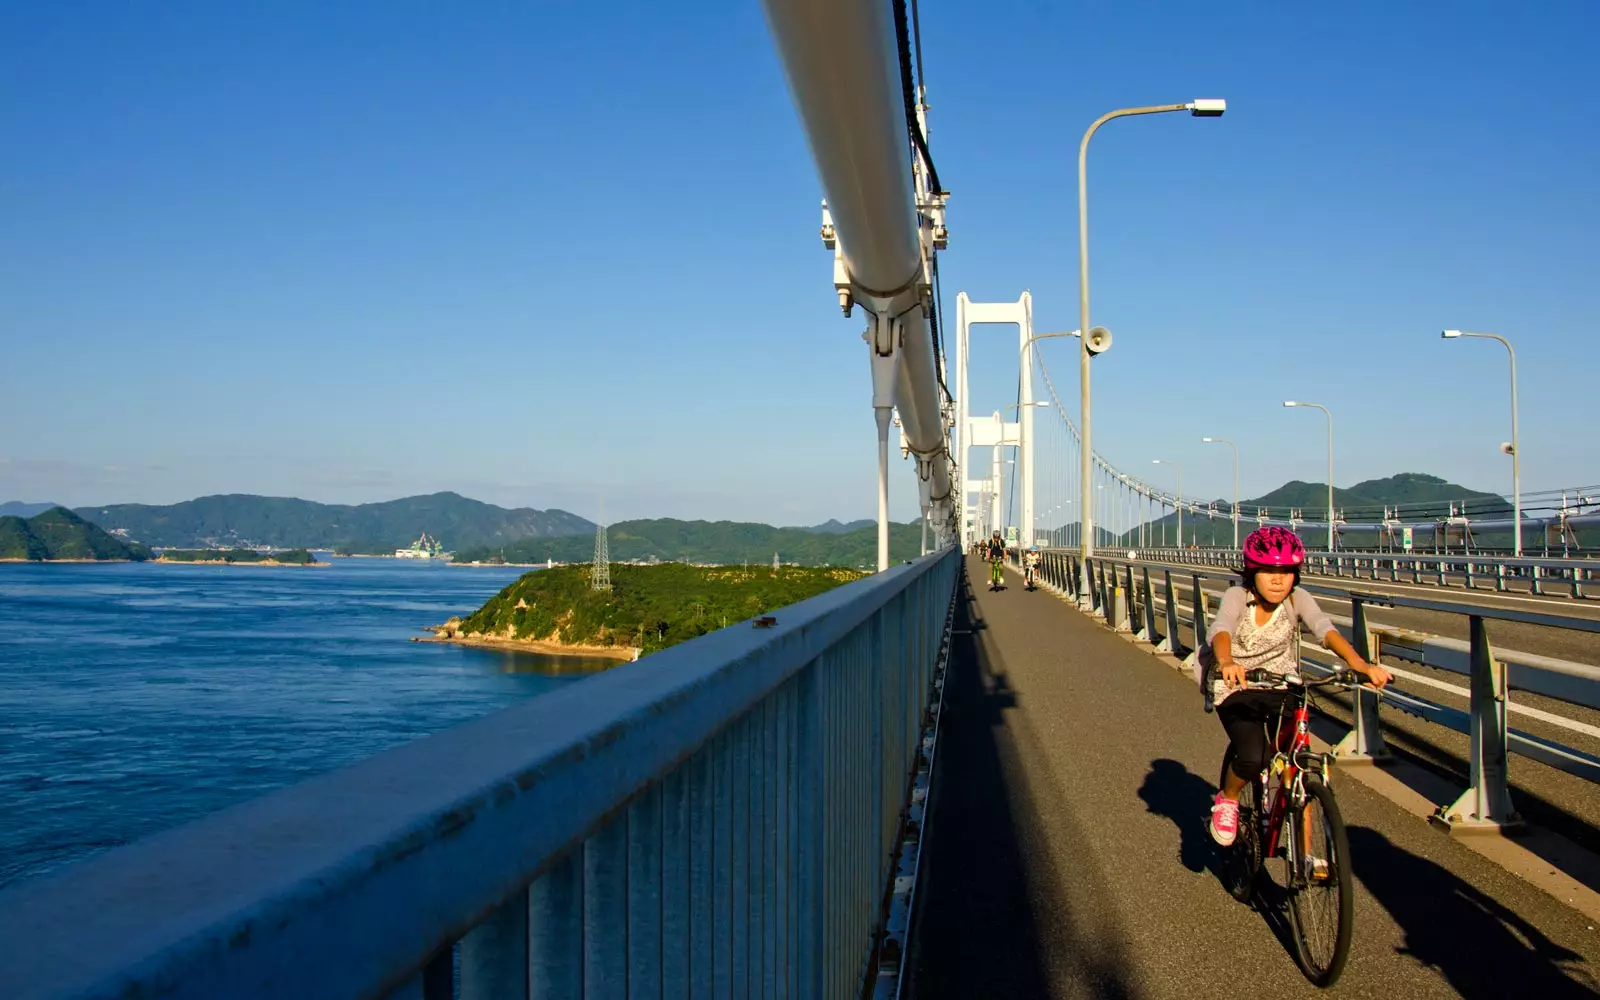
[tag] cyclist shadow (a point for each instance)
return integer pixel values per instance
(1170, 789)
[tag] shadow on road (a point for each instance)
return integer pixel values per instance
(1170, 789)
(992, 921)
(1482, 948)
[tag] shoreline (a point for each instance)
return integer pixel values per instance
(447, 635)
(227, 562)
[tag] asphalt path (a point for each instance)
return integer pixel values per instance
(1067, 853)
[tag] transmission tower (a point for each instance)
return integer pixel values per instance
(600, 575)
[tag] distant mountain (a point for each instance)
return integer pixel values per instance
(58, 533)
(833, 526)
(245, 521)
(719, 542)
(1419, 497)
(15, 508)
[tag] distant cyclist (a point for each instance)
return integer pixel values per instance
(1258, 627)
(1030, 567)
(995, 552)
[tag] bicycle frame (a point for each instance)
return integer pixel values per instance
(1294, 740)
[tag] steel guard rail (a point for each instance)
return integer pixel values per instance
(1470, 571)
(721, 816)
(1128, 603)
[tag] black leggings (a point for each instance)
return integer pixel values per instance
(1246, 715)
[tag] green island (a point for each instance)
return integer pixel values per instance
(59, 535)
(242, 557)
(648, 608)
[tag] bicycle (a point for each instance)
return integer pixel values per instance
(996, 573)
(1283, 813)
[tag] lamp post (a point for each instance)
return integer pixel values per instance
(1200, 108)
(1211, 440)
(1516, 450)
(1175, 465)
(1324, 409)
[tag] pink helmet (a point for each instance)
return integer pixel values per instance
(1273, 547)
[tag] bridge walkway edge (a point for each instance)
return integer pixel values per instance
(1068, 856)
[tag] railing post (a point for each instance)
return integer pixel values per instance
(1487, 804)
(1364, 743)
(555, 930)
(1169, 642)
(494, 954)
(1533, 575)
(1148, 605)
(1125, 620)
(1198, 620)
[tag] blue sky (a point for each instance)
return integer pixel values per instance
(541, 253)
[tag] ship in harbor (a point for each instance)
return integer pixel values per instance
(425, 547)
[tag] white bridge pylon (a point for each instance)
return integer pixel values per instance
(991, 430)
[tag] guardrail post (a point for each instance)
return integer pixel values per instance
(1169, 642)
(1199, 618)
(1533, 574)
(1364, 743)
(1500, 576)
(1148, 606)
(494, 954)
(555, 930)
(1125, 620)
(1486, 805)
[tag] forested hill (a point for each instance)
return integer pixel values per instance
(648, 607)
(1417, 495)
(246, 521)
(58, 533)
(719, 542)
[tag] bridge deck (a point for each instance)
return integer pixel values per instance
(1068, 855)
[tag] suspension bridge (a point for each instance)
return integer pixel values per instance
(911, 786)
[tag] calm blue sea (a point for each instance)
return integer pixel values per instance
(137, 697)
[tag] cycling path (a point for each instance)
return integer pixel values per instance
(1067, 854)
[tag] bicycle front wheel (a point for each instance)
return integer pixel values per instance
(1321, 889)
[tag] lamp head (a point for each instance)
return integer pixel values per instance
(1207, 440)
(1207, 107)
(1449, 334)
(1290, 402)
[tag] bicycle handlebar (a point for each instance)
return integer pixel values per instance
(1266, 680)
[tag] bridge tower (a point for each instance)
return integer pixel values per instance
(975, 431)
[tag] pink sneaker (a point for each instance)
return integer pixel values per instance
(1224, 820)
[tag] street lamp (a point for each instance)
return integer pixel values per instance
(1175, 465)
(1210, 440)
(1516, 451)
(1200, 108)
(1324, 409)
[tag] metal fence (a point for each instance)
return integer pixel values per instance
(1576, 577)
(1121, 592)
(723, 818)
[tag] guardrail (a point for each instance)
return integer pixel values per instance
(725, 814)
(1121, 592)
(1472, 572)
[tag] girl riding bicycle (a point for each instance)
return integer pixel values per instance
(1258, 627)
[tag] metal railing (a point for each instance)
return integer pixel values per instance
(1580, 578)
(729, 814)
(1121, 592)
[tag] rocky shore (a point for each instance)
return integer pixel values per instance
(450, 632)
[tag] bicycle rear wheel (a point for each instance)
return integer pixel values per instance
(1241, 863)
(1322, 904)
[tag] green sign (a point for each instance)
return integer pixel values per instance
(1011, 535)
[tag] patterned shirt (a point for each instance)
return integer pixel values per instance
(1271, 646)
